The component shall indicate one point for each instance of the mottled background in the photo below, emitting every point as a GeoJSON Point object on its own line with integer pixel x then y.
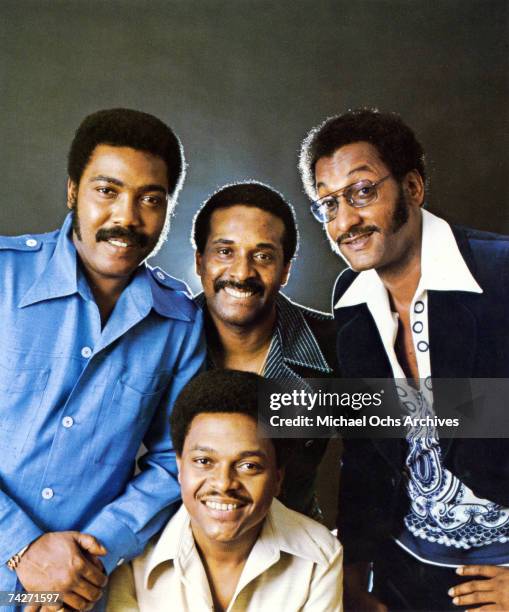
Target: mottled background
{"type": "Point", "coordinates": [241, 82]}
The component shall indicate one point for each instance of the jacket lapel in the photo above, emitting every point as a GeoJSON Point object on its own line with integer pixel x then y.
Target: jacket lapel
{"type": "Point", "coordinates": [452, 335]}
{"type": "Point", "coordinates": [362, 355]}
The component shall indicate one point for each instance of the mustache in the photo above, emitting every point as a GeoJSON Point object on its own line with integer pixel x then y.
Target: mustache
{"type": "Point", "coordinates": [250, 284]}
{"type": "Point", "coordinates": [357, 231]}
{"type": "Point", "coordinates": [131, 236]}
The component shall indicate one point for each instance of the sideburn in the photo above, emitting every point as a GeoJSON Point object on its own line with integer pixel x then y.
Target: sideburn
{"type": "Point", "coordinates": [400, 215]}
{"type": "Point", "coordinates": [73, 201]}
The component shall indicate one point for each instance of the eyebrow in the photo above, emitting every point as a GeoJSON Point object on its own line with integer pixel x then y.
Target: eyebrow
{"type": "Point", "coordinates": [362, 168]}
{"type": "Point", "coordinates": [242, 455]}
{"type": "Point", "coordinates": [260, 245]}
{"type": "Point", "coordinates": [119, 183]}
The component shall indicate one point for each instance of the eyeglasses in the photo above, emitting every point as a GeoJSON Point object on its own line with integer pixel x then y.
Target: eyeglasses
{"type": "Point", "coordinates": [358, 195]}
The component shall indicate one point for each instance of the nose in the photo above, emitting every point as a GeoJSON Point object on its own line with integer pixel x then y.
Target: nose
{"type": "Point", "coordinates": [347, 217]}
{"type": "Point", "coordinates": [241, 267]}
{"type": "Point", "coordinates": [224, 478]}
{"type": "Point", "coordinates": [126, 212]}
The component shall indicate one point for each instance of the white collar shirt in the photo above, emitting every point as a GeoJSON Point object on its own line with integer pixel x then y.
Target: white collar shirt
{"type": "Point", "coordinates": [295, 564]}
{"type": "Point", "coordinates": [442, 269]}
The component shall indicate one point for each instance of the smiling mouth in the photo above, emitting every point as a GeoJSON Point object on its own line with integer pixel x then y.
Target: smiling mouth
{"type": "Point", "coordinates": [118, 243]}
{"type": "Point", "coordinates": [357, 242]}
{"type": "Point", "coordinates": [239, 294]}
{"type": "Point", "coordinates": [213, 505]}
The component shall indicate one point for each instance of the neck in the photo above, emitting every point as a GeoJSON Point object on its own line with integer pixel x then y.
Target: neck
{"type": "Point", "coordinates": [240, 347]}
{"type": "Point", "coordinates": [218, 554]}
{"type": "Point", "coordinates": [402, 277]}
{"type": "Point", "coordinates": [106, 292]}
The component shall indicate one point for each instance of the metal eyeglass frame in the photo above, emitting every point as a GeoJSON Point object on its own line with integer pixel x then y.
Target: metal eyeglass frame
{"type": "Point", "coordinates": [316, 206]}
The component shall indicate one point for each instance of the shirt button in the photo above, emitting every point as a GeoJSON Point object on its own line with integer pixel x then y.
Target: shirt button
{"type": "Point", "coordinates": [418, 307]}
{"type": "Point", "coordinates": [308, 443]}
{"type": "Point", "coordinates": [120, 561]}
{"type": "Point", "coordinates": [160, 275]}
{"type": "Point", "coordinates": [47, 493]}
{"type": "Point", "coordinates": [31, 242]}
{"type": "Point", "coordinates": [418, 326]}
{"type": "Point", "coordinates": [422, 346]}
{"type": "Point", "coordinates": [67, 422]}
{"type": "Point", "coordinates": [86, 351]}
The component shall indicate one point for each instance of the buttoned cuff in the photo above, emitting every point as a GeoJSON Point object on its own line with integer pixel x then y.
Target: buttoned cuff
{"type": "Point", "coordinates": [119, 540]}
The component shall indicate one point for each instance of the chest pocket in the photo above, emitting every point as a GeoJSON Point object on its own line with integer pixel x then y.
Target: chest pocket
{"type": "Point", "coordinates": [21, 393]}
{"type": "Point", "coordinates": [125, 417]}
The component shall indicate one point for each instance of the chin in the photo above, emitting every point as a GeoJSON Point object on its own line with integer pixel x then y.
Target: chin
{"type": "Point", "coordinates": [240, 317]}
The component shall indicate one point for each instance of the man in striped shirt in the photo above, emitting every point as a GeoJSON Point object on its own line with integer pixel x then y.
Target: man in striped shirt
{"type": "Point", "coordinates": [245, 237]}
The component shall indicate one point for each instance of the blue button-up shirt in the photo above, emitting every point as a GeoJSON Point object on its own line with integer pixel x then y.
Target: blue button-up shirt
{"type": "Point", "coordinates": [78, 400]}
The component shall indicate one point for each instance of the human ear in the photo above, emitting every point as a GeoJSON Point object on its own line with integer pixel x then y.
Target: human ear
{"type": "Point", "coordinates": [413, 185]}
{"type": "Point", "coordinates": [179, 462]}
{"type": "Point", "coordinates": [286, 273]}
{"type": "Point", "coordinates": [197, 263]}
{"type": "Point", "coordinates": [72, 194]}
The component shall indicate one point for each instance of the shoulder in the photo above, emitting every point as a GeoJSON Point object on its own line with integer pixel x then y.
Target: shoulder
{"type": "Point", "coordinates": [480, 240]}
{"type": "Point", "coordinates": [486, 254]}
{"type": "Point", "coordinates": [304, 537]}
{"type": "Point", "coordinates": [321, 325]}
{"type": "Point", "coordinates": [28, 243]}
{"type": "Point", "coordinates": [23, 258]}
{"type": "Point", "coordinates": [315, 317]}
{"type": "Point", "coordinates": [171, 295]}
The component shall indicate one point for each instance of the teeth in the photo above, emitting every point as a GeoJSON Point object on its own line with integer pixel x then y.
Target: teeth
{"type": "Point", "coordinates": [356, 238]}
{"type": "Point", "coordinates": [237, 293]}
{"type": "Point", "coordinates": [118, 243]}
{"type": "Point", "coordinates": [217, 506]}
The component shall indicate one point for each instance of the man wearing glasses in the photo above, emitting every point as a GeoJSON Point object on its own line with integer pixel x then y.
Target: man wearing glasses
{"type": "Point", "coordinates": [420, 300]}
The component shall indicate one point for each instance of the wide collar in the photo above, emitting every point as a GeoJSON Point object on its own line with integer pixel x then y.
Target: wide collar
{"type": "Point", "coordinates": [63, 277]}
{"type": "Point", "coordinates": [60, 277]}
{"type": "Point", "coordinates": [293, 341]}
{"type": "Point", "coordinates": [297, 343]}
{"type": "Point", "coordinates": [443, 268]}
{"type": "Point", "coordinates": [281, 533]}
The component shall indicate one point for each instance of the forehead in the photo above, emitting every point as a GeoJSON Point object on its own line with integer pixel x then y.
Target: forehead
{"type": "Point", "coordinates": [129, 165]}
{"type": "Point", "coordinates": [353, 161]}
{"type": "Point", "coordinates": [227, 434]}
{"type": "Point", "coordinates": [246, 225]}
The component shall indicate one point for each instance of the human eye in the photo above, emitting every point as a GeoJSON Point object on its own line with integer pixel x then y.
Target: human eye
{"type": "Point", "coordinates": [328, 203]}
{"type": "Point", "coordinates": [224, 251]}
{"type": "Point", "coordinates": [153, 201]}
{"type": "Point", "coordinates": [202, 461]}
{"type": "Point", "coordinates": [263, 257]}
{"type": "Point", "coordinates": [106, 191]}
{"type": "Point", "coordinates": [250, 467]}
{"type": "Point", "coordinates": [362, 193]}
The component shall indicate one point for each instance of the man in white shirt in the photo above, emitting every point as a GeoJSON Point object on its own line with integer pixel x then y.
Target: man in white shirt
{"type": "Point", "coordinates": [232, 546]}
{"type": "Point", "coordinates": [421, 300]}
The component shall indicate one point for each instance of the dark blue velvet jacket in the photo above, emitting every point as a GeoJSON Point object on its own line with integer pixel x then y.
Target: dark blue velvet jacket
{"type": "Point", "coordinates": [469, 338]}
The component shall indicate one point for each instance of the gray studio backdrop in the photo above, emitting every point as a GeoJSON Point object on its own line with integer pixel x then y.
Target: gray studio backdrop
{"type": "Point", "coordinates": [241, 81]}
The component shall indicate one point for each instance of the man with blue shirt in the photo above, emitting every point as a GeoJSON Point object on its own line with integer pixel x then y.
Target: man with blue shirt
{"type": "Point", "coordinates": [421, 300]}
{"type": "Point", "coordinates": [95, 346]}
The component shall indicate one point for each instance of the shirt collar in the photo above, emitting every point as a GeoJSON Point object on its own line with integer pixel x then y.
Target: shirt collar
{"type": "Point", "coordinates": [281, 532]}
{"type": "Point", "coordinates": [60, 277]}
{"type": "Point", "coordinates": [298, 344]}
{"type": "Point", "coordinates": [442, 267]}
